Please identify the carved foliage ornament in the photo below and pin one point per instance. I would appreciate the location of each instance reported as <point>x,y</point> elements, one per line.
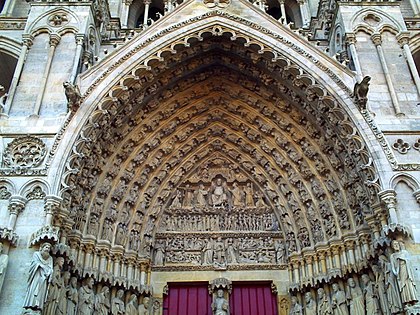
<point>58,19</point>
<point>25,152</point>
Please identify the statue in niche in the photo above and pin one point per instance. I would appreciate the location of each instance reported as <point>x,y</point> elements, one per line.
<point>339,301</point>
<point>159,253</point>
<point>4,259</point>
<point>144,306</point>
<point>118,306</point>
<point>188,196</point>
<point>260,200</point>
<point>208,252</point>
<point>62,301</point>
<point>380,287</point>
<point>280,252</point>
<point>107,230</point>
<point>93,227</point>
<point>231,252</point>
<point>371,298</point>
<point>237,195</point>
<point>400,264</point>
<point>295,307</point>
<point>219,195</point>
<point>249,195</point>
<point>176,202</point>
<point>86,298</point>
<point>220,305</point>
<point>201,196</point>
<point>393,297</point>
<point>72,297</point>
<point>324,306</point>
<point>132,307</point>
<point>102,303</point>
<point>121,235</point>
<point>310,307</point>
<point>355,298</point>
<point>55,287</point>
<point>40,273</point>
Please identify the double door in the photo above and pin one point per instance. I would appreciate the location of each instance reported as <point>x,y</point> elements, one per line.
<point>247,298</point>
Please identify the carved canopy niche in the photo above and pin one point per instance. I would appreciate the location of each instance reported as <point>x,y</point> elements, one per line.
<point>218,114</point>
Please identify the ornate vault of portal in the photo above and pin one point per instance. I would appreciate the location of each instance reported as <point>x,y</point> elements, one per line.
<point>219,157</point>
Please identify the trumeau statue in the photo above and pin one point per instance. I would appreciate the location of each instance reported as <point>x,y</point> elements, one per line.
<point>220,305</point>
<point>117,305</point>
<point>310,307</point>
<point>295,307</point>
<point>102,302</point>
<point>86,298</point>
<point>400,264</point>
<point>55,287</point>
<point>355,297</point>
<point>40,273</point>
<point>339,302</point>
<point>3,265</point>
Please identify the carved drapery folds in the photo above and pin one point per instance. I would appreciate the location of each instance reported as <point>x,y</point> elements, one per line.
<point>149,162</point>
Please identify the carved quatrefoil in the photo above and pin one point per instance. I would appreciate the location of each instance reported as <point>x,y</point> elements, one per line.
<point>25,152</point>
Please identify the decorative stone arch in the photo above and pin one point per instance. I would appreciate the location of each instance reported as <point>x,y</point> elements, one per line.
<point>142,74</point>
<point>407,178</point>
<point>35,189</point>
<point>10,46</point>
<point>7,189</point>
<point>358,22</point>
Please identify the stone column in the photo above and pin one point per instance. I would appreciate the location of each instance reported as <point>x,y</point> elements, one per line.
<point>52,207</point>
<point>304,12</point>
<point>146,11</point>
<point>16,206</point>
<point>403,38</point>
<point>125,11</point>
<point>389,197</point>
<point>283,18</point>
<point>351,41</point>
<point>80,38</point>
<point>143,269</point>
<point>377,40</point>
<point>54,41</point>
<point>27,43</point>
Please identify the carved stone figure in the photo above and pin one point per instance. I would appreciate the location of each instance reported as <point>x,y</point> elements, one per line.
<point>201,196</point>
<point>132,307</point>
<point>176,202</point>
<point>188,196</point>
<point>324,306</point>
<point>339,302</point>
<point>40,273</point>
<point>280,251</point>
<point>400,264</point>
<point>295,307</point>
<point>86,298</point>
<point>380,286</point>
<point>236,195</point>
<point>118,306</point>
<point>231,252</point>
<point>218,193</point>
<point>55,287</point>
<point>219,256</point>
<point>360,92</point>
<point>102,302</point>
<point>3,265</point>
<point>355,297</point>
<point>249,195</point>
<point>62,301</point>
<point>208,253</point>
<point>220,305</point>
<point>144,306</point>
<point>392,292</point>
<point>72,297</point>
<point>310,307</point>
<point>73,96</point>
<point>159,253</point>
<point>370,294</point>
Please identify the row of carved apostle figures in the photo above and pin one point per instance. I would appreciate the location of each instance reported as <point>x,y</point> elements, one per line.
<point>388,289</point>
<point>53,291</point>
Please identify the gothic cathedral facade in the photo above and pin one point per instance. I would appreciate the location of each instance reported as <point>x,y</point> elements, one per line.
<point>209,157</point>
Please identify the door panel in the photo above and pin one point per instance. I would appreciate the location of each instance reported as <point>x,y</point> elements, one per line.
<point>252,299</point>
<point>187,299</point>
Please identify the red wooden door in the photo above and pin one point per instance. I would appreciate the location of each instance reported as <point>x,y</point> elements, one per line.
<point>187,299</point>
<point>252,299</point>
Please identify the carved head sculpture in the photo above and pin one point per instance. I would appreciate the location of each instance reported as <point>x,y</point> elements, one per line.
<point>90,282</point>
<point>220,293</point>
<point>351,283</point>
<point>365,279</point>
<point>66,277</point>
<point>73,282</point>
<point>293,300</point>
<point>335,287</point>
<point>105,291</point>
<point>308,297</point>
<point>59,262</point>
<point>320,293</point>
<point>45,250</point>
<point>120,293</point>
<point>396,245</point>
<point>146,302</point>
